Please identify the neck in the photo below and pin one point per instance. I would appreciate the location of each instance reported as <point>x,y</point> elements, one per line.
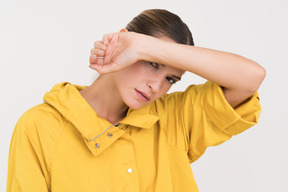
<point>105,99</point>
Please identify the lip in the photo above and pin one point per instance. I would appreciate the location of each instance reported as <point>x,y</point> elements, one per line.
<point>142,96</point>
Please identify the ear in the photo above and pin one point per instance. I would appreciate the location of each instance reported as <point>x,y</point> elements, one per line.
<point>124,30</point>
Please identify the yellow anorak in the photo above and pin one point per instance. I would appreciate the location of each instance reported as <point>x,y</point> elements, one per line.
<point>62,145</point>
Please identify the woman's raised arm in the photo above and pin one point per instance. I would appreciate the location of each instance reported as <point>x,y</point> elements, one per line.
<point>238,76</point>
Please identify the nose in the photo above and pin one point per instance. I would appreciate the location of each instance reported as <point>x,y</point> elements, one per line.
<point>155,83</point>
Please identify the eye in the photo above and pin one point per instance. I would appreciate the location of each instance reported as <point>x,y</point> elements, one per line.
<point>171,80</point>
<point>154,64</point>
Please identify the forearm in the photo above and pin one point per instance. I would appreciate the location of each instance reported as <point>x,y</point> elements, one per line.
<point>239,77</point>
<point>228,70</point>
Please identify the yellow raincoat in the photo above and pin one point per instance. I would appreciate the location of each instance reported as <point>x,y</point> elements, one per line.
<point>62,145</point>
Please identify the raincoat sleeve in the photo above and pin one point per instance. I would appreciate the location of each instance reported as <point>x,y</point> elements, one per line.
<point>28,164</point>
<point>202,117</point>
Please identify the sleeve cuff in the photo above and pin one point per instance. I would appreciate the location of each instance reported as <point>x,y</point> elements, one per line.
<point>223,116</point>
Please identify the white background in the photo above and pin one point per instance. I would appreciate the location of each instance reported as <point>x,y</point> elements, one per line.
<point>46,42</point>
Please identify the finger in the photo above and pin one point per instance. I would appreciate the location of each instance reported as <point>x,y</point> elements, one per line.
<point>97,68</point>
<point>100,45</point>
<point>108,37</point>
<point>104,69</point>
<point>97,52</point>
<point>92,51</point>
<point>93,59</point>
<point>97,57</point>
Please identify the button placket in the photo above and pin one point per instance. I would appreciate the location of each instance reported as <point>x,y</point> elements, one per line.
<point>116,125</point>
<point>97,145</point>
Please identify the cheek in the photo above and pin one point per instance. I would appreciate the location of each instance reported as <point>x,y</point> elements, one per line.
<point>165,89</point>
<point>128,75</point>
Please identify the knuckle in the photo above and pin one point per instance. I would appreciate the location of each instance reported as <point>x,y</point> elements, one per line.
<point>96,44</point>
<point>92,51</point>
<point>100,52</point>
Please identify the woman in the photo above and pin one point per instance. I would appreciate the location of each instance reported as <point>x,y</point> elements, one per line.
<point>124,133</point>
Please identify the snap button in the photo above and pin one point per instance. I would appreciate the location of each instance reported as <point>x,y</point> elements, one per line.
<point>97,145</point>
<point>110,134</point>
<point>129,170</point>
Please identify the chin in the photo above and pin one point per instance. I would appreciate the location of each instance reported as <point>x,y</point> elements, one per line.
<point>136,105</point>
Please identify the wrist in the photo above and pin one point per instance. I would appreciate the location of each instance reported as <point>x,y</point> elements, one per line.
<point>145,50</point>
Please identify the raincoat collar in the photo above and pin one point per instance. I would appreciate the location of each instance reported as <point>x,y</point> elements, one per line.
<point>66,98</point>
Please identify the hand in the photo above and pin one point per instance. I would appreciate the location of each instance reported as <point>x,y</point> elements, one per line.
<point>115,52</point>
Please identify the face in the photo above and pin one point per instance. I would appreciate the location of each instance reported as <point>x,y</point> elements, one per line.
<point>144,82</point>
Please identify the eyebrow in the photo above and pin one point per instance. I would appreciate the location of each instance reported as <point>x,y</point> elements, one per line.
<point>179,78</point>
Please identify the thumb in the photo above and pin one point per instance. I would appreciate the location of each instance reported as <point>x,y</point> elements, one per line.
<point>104,69</point>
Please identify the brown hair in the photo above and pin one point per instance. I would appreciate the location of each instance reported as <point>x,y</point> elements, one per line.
<point>157,22</point>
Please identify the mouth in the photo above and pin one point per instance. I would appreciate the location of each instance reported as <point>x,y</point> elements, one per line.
<point>142,96</point>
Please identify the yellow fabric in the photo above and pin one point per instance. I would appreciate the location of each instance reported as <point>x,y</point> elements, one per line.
<point>63,145</point>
